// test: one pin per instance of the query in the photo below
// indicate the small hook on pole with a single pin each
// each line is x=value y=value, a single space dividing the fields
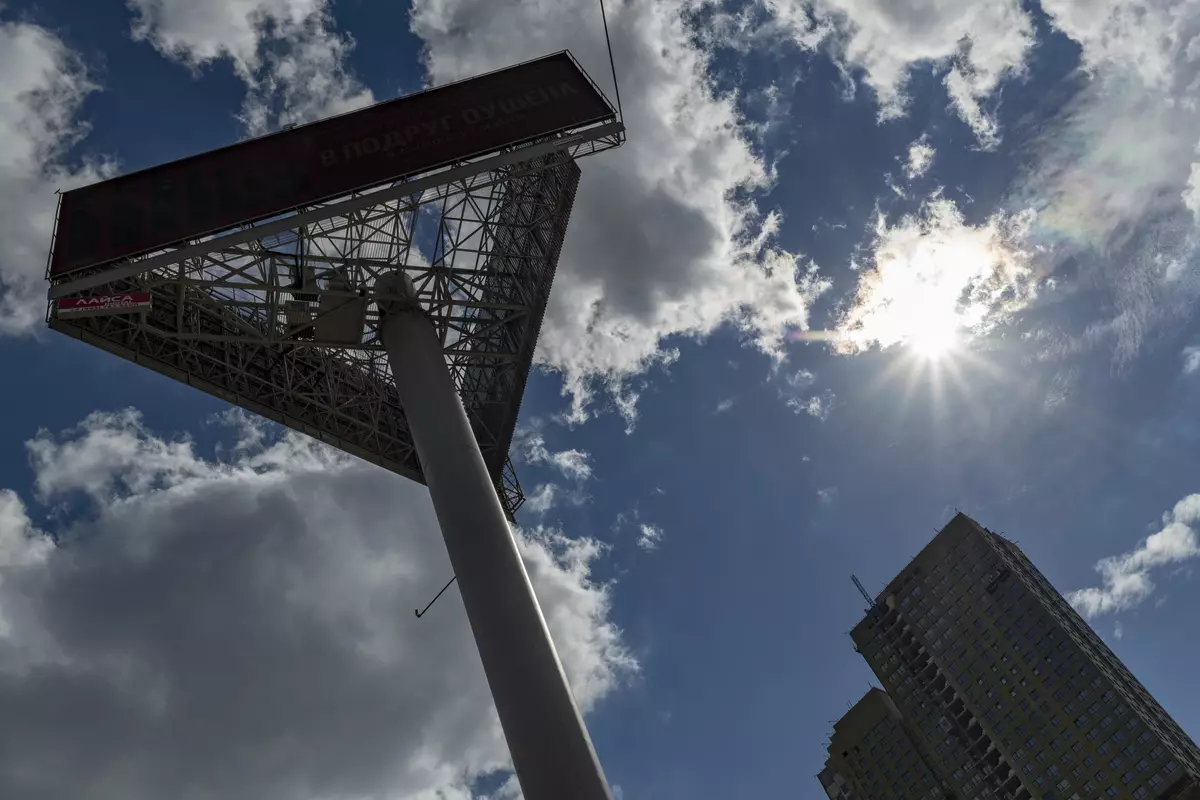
x=421 y=613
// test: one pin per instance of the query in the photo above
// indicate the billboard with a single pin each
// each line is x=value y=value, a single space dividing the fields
x=103 y=304
x=157 y=207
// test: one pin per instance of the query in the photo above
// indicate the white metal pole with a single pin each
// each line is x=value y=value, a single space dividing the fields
x=549 y=744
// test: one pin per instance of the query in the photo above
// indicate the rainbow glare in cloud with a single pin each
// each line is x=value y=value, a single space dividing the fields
x=1117 y=154
x=811 y=336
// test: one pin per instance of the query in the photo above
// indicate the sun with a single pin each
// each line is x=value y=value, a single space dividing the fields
x=933 y=336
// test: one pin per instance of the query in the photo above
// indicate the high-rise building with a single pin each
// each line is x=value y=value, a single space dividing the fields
x=873 y=755
x=1010 y=692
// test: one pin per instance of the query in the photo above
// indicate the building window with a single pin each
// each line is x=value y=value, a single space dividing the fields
x=1170 y=767
x=1111 y=791
x=1140 y=792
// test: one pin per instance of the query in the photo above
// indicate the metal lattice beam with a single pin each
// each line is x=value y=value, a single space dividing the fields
x=282 y=317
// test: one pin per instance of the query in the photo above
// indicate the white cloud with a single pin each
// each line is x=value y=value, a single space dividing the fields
x=827 y=495
x=21 y=544
x=724 y=406
x=796 y=397
x=817 y=405
x=932 y=276
x=254 y=613
x=571 y=463
x=692 y=255
x=801 y=379
x=529 y=445
x=1191 y=359
x=43 y=88
x=1152 y=39
x=920 y=157
x=974 y=44
x=553 y=495
x=649 y=536
x=1126 y=579
x=1191 y=192
x=1118 y=631
x=542 y=499
x=287 y=52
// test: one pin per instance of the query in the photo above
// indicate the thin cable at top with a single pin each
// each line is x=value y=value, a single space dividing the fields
x=611 y=63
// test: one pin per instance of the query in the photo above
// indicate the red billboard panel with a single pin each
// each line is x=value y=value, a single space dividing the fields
x=256 y=179
x=100 y=305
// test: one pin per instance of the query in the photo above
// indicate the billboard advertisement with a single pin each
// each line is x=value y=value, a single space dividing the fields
x=101 y=305
x=260 y=178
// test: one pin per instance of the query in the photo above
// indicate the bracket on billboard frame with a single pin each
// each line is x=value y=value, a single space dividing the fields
x=280 y=316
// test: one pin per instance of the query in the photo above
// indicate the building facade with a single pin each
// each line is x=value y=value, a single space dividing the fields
x=1010 y=692
x=835 y=784
x=874 y=756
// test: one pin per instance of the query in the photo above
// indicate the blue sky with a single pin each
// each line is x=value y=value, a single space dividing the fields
x=861 y=263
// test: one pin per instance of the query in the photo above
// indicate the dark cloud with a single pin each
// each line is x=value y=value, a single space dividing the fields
x=245 y=630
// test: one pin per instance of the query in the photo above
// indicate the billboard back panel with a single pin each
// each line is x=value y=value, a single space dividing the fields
x=260 y=178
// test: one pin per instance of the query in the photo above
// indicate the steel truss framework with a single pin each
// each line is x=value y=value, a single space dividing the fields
x=280 y=317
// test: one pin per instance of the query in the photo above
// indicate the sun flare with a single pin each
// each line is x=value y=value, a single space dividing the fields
x=932 y=338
